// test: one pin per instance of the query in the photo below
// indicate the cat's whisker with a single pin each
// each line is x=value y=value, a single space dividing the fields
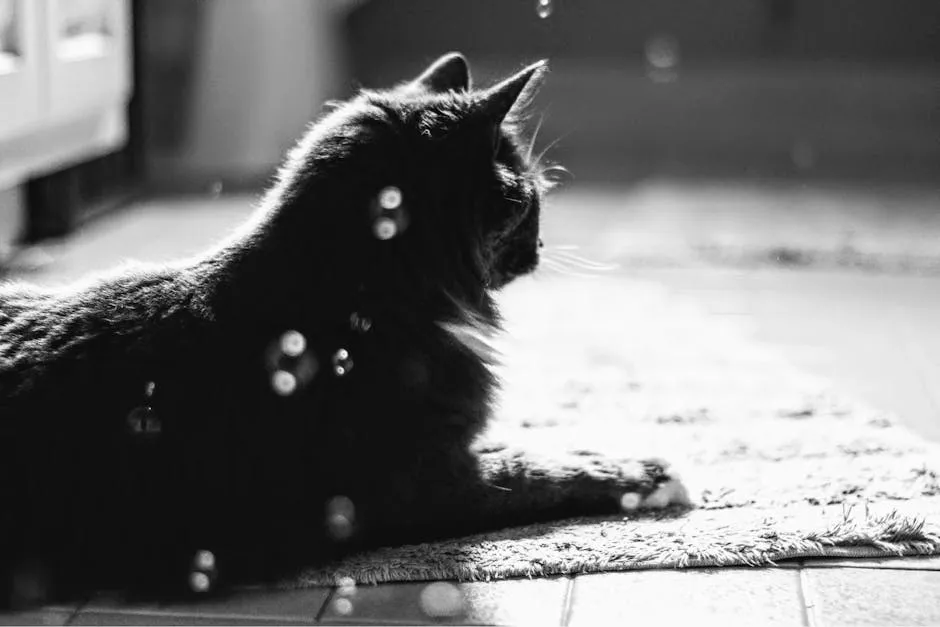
x=535 y=135
x=558 y=268
x=576 y=261
x=552 y=144
x=560 y=265
x=583 y=262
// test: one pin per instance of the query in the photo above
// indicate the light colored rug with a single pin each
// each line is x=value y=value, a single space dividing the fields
x=781 y=467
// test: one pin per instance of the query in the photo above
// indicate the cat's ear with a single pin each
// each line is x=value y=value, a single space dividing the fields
x=496 y=102
x=449 y=73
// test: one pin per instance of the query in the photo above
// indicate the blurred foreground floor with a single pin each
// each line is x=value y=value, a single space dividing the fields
x=873 y=334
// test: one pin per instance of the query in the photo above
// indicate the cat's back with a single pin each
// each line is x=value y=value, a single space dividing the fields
x=46 y=331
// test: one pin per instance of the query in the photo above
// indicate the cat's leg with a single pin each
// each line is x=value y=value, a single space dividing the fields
x=499 y=487
x=518 y=486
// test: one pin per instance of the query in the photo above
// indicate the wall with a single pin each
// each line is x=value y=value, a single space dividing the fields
x=839 y=89
x=260 y=72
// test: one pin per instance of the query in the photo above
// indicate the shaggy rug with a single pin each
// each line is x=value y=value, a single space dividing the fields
x=779 y=465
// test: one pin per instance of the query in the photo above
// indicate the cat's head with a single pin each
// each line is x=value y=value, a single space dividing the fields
x=470 y=190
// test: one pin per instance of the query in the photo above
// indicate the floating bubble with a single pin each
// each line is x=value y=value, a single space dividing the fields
x=662 y=58
x=340 y=527
x=293 y=343
x=630 y=501
x=343 y=506
x=359 y=323
x=385 y=228
x=346 y=586
x=290 y=364
x=283 y=382
x=340 y=517
x=544 y=8
x=342 y=362
x=662 y=51
x=390 y=198
x=441 y=599
x=343 y=606
x=199 y=582
x=389 y=213
x=204 y=560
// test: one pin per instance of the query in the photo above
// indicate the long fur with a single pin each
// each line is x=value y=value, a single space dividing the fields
x=249 y=473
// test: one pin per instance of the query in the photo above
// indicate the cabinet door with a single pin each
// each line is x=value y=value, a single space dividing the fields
x=20 y=76
x=88 y=55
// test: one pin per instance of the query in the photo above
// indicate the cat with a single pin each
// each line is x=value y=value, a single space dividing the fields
x=314 y=385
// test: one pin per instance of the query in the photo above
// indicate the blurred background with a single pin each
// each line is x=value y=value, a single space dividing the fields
x=776 y=160
x=105 y=98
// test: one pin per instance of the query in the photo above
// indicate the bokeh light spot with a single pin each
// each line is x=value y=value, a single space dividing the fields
x=204 y=560
x=390 y=198
x=359 y=323
x=340 y=517
x=283 y=382
x=441 y=599
x=662 y=54
x=199 y=582
x=544 y=8
x=293 y=343
x=343 y=606
x=346 y=586
x=342 y=362
x=630 y=501
x=385 y=228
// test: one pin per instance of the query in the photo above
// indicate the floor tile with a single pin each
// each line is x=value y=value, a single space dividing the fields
x=859 y=596
x=286 y=605
x=892 y=563
x=517 y=602
x=57 y=616
x=699 y=597
x=539 y=601
x=147 y=618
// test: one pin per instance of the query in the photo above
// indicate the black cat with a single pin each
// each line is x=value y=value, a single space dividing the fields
x=312 y=386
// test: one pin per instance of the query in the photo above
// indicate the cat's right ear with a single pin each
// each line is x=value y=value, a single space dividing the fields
x=496 y=102
x=449 y=73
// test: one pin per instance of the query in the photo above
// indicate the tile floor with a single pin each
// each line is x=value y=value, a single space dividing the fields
x=812 y=593
x=874 y=335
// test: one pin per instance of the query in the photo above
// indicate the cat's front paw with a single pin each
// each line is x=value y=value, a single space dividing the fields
x=663 y=488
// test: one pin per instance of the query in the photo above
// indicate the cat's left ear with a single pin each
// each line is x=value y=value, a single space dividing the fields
x=449 y=73
x=496 y=102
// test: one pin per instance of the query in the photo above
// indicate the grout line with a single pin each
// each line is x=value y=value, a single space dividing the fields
x=79 y=607
x=326 y=603
x=567 y=603
x=807 y=600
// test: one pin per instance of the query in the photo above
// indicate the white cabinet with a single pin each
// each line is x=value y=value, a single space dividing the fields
x=65 y=79
x=20 y=71
x=89 y=56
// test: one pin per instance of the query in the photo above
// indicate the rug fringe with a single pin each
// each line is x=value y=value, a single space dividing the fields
x=855 y=534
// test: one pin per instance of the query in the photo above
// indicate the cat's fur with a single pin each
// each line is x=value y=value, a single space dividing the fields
x=245 y=472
